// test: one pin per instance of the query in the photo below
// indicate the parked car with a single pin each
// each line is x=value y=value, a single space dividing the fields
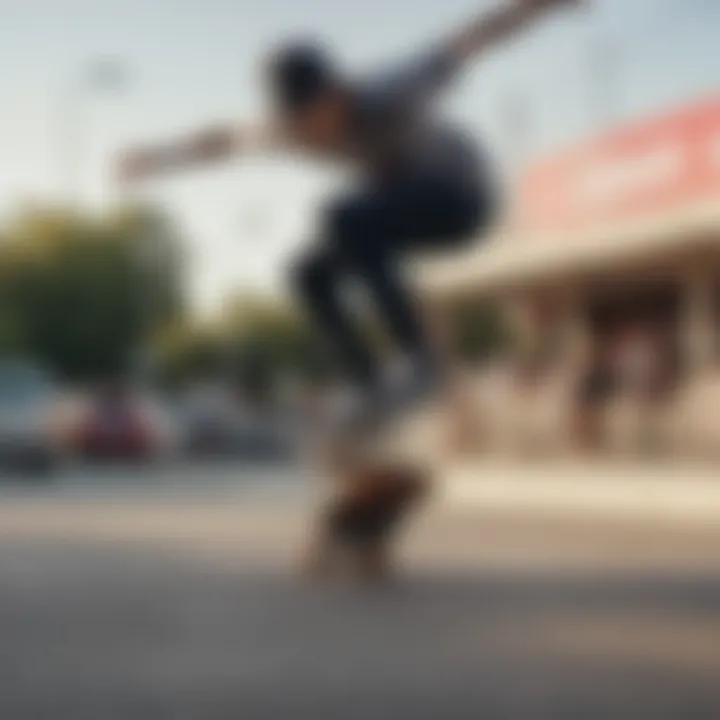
x=216 y=425
x=29 y=405
x=114 y=423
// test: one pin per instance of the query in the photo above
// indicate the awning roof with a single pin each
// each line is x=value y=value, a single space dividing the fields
x=506 y=262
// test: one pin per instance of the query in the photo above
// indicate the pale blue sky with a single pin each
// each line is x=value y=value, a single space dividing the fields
x=193 y=61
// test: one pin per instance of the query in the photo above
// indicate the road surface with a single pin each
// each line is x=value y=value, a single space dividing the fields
x=154 y=602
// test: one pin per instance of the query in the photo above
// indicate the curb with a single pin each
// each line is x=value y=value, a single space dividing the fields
x=668 y=495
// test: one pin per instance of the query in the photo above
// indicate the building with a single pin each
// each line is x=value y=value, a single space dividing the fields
x=610 y=271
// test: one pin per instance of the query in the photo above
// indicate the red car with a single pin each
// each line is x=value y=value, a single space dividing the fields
x=115 y=426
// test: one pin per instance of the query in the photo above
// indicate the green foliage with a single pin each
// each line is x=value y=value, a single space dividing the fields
x=81 y=295
x=87 y=296
x=477 y=331
x=256 y=342
x=186 y=352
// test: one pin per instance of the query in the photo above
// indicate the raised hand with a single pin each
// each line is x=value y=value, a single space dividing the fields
x=502 y=23
x=209 y=145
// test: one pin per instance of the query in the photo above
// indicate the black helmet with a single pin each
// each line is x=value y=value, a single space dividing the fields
x=299 y=74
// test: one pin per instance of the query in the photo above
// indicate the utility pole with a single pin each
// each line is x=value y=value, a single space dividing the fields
x=102 y=75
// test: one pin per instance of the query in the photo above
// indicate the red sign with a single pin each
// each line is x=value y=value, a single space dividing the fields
x=637 y=172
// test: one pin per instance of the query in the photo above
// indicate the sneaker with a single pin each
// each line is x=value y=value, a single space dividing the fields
x=364 y=409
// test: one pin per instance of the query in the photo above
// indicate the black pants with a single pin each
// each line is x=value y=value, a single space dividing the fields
x=367 y=235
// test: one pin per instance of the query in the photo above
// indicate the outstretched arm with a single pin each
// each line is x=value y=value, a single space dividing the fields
x=431 y=72
x=208 y=146
x=500 y=24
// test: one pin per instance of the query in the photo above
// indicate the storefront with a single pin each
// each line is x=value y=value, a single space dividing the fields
x=610 y=270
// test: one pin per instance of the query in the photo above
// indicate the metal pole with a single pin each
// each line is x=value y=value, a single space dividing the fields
x=96 y=76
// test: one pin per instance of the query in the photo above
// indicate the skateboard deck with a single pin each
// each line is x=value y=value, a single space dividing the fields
x=372 y=492
x=355 y=528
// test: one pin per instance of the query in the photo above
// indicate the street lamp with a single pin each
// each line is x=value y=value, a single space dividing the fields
x=99 y=76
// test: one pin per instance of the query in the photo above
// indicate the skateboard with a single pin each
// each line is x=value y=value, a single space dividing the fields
x=376 y=480
x=355 y=528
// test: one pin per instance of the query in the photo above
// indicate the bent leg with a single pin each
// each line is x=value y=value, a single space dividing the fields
x=317 y=280
x=362 y=236
x=376 y=230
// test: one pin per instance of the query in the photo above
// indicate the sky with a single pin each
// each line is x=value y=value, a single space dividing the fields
x=187 y=63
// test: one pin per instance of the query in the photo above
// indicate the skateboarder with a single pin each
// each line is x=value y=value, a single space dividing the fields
x=421 y=184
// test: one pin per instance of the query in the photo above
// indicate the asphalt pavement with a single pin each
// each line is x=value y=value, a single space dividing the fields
x=177 y=598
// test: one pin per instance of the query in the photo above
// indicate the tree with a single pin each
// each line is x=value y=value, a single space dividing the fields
x=188 y=351
x=270 y=341
x=256 y=343
x=81 y=295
